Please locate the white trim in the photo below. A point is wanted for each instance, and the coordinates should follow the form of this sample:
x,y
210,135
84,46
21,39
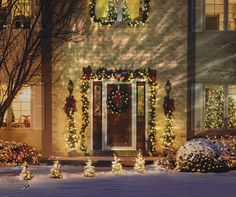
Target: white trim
x,y
104,116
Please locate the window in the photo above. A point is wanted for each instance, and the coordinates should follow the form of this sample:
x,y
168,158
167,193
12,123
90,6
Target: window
x,y
214,15
215,107
128,12
3,13
19,113
21,109
20,13
232,15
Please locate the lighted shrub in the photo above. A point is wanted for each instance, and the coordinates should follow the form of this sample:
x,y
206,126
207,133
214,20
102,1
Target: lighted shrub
x,y
202,155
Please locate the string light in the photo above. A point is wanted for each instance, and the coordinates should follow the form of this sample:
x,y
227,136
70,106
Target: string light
x,y
111,17
123,76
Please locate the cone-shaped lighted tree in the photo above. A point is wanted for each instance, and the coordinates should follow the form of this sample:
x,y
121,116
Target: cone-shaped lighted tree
x,y
55,172
26,174
89,170
139,164
214,110
116,166
168,106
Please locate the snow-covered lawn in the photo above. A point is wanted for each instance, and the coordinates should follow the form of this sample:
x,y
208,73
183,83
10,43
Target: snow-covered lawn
x,y
155,183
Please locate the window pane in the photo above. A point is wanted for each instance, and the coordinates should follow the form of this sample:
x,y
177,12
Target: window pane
x,y
4,3
232,107
21,115
21,8
101,8
214,107
232,15
214,14
134,7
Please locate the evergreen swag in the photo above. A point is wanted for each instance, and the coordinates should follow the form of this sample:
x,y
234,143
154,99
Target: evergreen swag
x,y
123,76
117,100
112,13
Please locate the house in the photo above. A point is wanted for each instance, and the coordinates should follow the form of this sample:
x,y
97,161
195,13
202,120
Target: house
x,y
118,76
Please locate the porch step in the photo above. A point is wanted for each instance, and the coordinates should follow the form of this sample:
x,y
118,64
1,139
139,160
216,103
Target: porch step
x,y
99,160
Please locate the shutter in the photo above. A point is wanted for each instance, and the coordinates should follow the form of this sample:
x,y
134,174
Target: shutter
x,y
198,15
37,108
101,8
134,7
198,107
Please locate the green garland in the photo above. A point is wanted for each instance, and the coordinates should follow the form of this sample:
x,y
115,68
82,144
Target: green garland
x,y
112,14
123,76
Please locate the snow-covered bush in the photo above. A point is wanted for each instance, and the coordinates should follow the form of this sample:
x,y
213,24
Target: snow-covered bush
x,y
201,155
12,152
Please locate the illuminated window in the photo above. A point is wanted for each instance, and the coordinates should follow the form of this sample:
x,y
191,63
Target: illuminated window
x,y
213,15
232,15
21,109
21,13
19,16
215,107
21,8
3,13
130,12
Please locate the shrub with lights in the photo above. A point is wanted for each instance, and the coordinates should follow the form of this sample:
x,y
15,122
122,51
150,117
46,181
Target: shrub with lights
x,y
201,155
12,153
122,75
69,108
112,12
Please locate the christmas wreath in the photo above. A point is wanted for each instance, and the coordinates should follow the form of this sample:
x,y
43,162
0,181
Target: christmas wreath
x,y
118,100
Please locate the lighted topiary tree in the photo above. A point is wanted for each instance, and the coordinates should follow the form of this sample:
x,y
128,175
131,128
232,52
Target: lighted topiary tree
x,y
55,172
139,164
168,106
26,174
72,138
116,166
89,170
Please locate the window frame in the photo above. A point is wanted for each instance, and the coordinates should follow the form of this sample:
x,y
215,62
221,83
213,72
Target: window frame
x,y
203,131
17,21
203,15
9,113
144,16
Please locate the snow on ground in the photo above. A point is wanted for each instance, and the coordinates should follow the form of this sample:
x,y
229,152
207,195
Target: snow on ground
x,y
155,183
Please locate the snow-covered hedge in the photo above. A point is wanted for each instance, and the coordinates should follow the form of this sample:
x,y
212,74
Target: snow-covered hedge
x,y
12,152
201,155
